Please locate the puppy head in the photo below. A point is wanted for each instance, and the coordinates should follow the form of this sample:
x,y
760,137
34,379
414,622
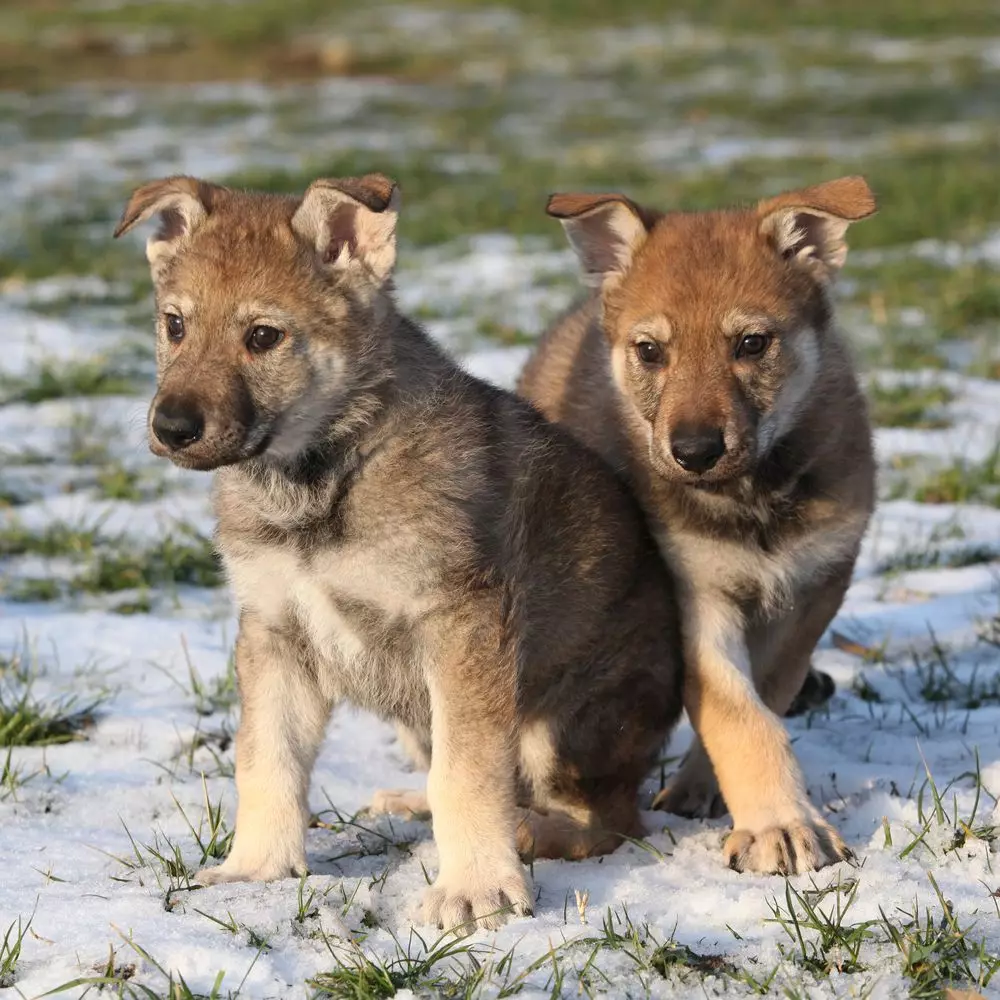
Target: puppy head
x,y
269,312
716,320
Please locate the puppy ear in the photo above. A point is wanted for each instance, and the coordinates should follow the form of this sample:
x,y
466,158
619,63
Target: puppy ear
x,y
809,226
183,204
604,230
351,221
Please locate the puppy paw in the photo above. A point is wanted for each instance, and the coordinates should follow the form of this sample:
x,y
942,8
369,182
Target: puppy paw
x,y
786,850
235,869
478,899
400,802
691,796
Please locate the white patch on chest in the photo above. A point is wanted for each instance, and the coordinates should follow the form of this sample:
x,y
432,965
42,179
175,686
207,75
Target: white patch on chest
x,y
272,582
709,564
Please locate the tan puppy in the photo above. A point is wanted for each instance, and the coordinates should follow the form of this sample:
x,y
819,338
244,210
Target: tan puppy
x,y
403,536
706,366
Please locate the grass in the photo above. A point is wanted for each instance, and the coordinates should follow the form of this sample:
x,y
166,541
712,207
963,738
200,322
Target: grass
x,y
166,858
937,952
111,565
172,985
28,721
427,969
265,38
67,380
964,482
909,406
824,942
10,950
930,557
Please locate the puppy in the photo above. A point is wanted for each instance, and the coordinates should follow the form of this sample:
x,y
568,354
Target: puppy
x,y
405,537
707,368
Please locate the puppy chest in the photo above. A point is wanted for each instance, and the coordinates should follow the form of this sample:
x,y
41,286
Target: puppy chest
x,y
356,619
280,588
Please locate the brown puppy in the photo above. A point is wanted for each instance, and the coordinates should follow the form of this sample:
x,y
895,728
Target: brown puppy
x,y
707,367
403,536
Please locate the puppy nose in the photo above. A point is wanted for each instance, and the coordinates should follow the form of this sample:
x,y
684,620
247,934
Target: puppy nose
x,y
177,424
697,449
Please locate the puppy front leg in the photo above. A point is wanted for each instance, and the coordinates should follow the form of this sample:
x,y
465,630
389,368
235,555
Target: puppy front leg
x,y
471,789
775,827
282,723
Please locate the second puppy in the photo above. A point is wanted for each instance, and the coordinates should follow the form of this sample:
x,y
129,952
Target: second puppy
x,y
707,367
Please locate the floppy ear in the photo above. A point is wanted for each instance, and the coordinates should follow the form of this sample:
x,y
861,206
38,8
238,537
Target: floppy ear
x,y
808,226
351,220
183,204
604,230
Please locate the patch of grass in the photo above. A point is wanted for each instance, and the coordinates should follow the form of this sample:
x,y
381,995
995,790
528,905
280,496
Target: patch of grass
x,y
941,680
823,940
937,951
909,405
216,743
181,558
186,558
58,539
10,950
436,969
28,721
254,938
212,835
69,380
944,827
911,560
59,41
13,777
115,482
173,987
964,482
32,590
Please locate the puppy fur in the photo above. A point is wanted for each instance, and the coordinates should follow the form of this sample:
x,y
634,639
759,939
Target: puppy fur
x,y
404,537
707,368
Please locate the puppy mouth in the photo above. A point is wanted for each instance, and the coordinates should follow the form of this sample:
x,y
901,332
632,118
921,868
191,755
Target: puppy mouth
x,y
718,479
203,457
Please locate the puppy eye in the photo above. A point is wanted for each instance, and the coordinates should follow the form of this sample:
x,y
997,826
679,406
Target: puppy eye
x,y
264,338
175,327
649,352
753,345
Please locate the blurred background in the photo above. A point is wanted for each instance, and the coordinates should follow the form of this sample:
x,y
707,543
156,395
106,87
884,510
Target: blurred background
x,y
479,110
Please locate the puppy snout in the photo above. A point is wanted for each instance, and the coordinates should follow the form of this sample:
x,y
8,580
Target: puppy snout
x,y
177,423
697,449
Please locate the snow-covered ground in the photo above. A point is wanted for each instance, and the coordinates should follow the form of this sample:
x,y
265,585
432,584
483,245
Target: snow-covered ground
x,y
98,835
77,840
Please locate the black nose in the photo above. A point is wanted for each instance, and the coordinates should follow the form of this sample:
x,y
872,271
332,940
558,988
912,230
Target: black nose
x,y
177,423
697,449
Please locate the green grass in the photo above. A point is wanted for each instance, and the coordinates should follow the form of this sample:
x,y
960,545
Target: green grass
x,y
185,559
110,564
171,984
937,952
61,381
28,721
823,941
910,560
964,482
57,539
909,405
271,38
10,950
